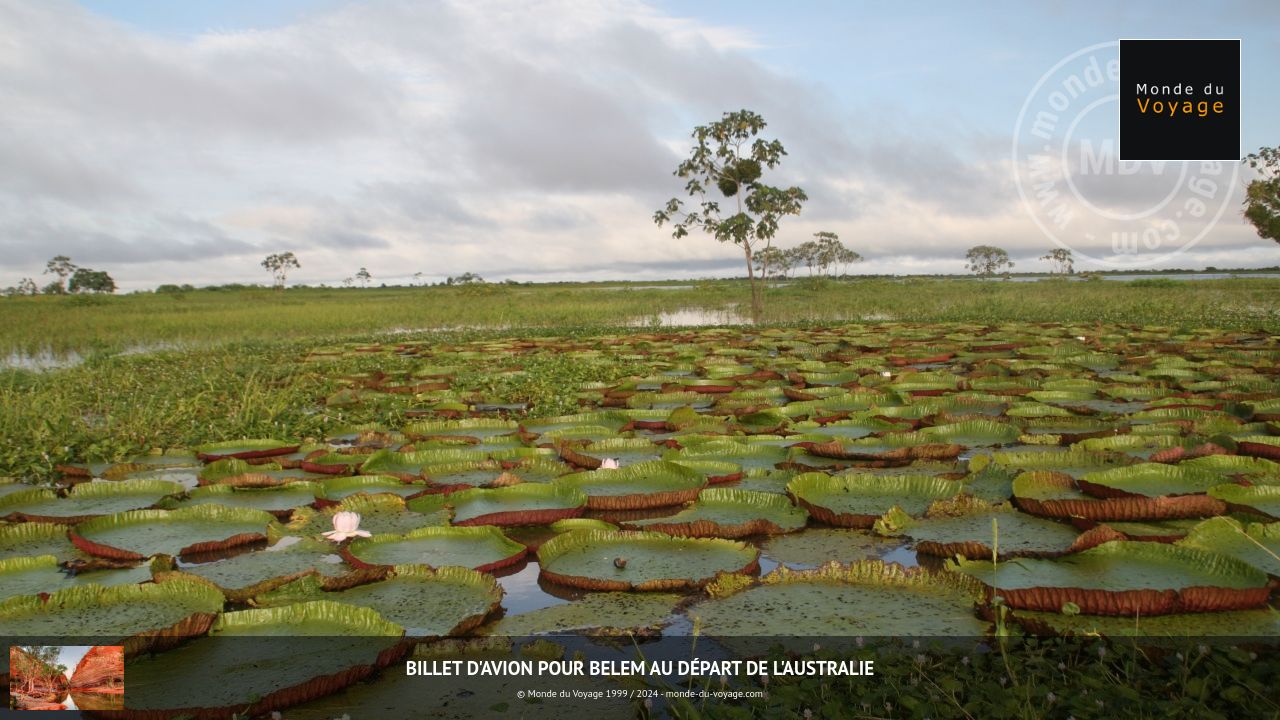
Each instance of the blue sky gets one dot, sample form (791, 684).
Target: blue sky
(183, 141)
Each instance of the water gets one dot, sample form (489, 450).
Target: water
(1163, 276)
(46, 359)
(692, 317)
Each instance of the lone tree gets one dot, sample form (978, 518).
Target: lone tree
(729, 157)
(364, 277)
(85, 280)
(1262, 196)
(1060, 260)
(987, 260)
(61, 266)
(279, 265)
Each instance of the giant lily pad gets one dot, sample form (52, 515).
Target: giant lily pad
(482, 548)
(1125, 578)
(972, 529)
(42, 574)
(244, 575)
(819, 546)
(244, 449)
(30, 539)
(426, 602)
(1263, 499)
(379, 514)
(618, 560)
(1255, 625)
(331, 645)
(1255, 543)
(143, 614)
(869, 598)
(636, 487)
(138, 534)
(279, 500)
(729, 513)
(86, 500)
(605, 614)
(340, 487)
(974, 433)
(1148, 480)
(410, 465)
(523, 504)
(857, 500)
(1056, 495)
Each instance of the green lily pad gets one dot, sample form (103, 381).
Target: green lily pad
(338, 488)
(426, 602)
(138, 534)
(605, 614)
(89, 499)
(273, 499)
(380, 514)
(857, 500)
(973, 531)
(32, 575)
(869, 598)
(411, 465)
(1125, 578)
(603, 560)
(1253, 624)
(221, 676)
(636, 487)
(244, 575)
(113, 613)
(482, 548)
(974, 433)
(1149, 480)
(1264, 499)
(523, 504)
(244, 449)
(30, 539)
(1255, 543)
(819, 546)
(729, 513)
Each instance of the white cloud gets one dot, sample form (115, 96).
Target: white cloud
(518, 140)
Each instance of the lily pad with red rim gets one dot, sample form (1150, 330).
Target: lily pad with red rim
(729, 513)
(244, 449)
(648, 561)
(521, 504)
(1125, 578)
(86, 500)
(483, 549)
(636, 487)
(427, 602)
(138, 534)
(857, 500)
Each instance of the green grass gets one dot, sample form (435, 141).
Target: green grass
(59, 325)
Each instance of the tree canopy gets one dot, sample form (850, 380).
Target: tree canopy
(729, 156)
(987, 260)
(1262, 196)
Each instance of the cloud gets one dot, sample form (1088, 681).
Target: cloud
(509, 139)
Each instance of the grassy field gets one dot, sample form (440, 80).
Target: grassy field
(86, 324)
(235, 377)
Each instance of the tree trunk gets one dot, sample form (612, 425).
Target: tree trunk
(757, 302)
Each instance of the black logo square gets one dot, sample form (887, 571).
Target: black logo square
(1180, 100)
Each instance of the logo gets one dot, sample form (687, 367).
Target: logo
(1067, 167)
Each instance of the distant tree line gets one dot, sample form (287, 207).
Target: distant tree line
(69, 278)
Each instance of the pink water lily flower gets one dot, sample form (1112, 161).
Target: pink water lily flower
(609, 464)
(346, 525)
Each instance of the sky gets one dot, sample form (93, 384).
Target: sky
(182, 142)
(71, 655)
